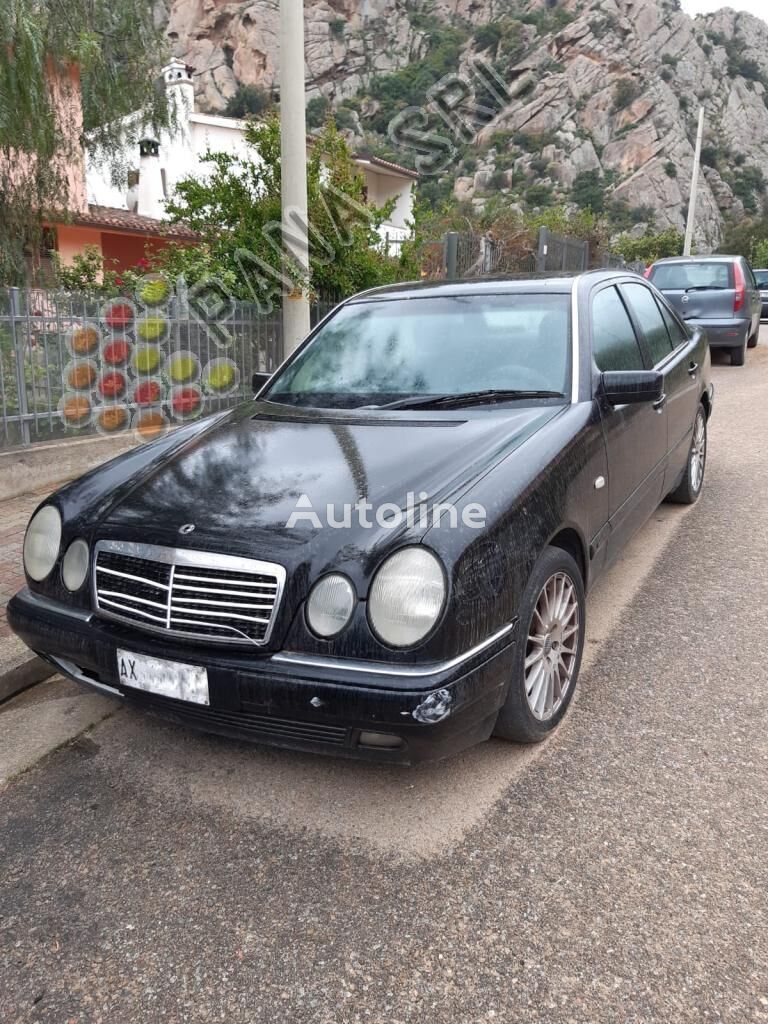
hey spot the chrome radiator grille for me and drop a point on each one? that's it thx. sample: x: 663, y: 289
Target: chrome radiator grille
x: 197, y: 594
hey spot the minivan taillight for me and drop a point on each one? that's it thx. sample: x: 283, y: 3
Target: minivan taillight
x: 741, y: 288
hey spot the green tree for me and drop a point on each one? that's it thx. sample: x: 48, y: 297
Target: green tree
x: 118, y: 50
x: 236, y: 210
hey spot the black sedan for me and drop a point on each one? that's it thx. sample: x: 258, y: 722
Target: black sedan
x: 386, y: 553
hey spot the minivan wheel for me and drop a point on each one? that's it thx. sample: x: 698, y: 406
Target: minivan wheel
x: 689, y: 489
x: 548, y: 652
x: 738, y: 355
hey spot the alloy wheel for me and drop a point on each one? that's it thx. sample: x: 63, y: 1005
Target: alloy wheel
x: 553, y: 646
x: 698, y: 452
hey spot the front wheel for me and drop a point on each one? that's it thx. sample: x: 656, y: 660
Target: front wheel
x: 690, y: 486
x: 548, y: 653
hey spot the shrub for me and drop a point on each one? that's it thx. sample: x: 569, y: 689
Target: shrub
x: 337, y: 27
x: 249, y: 99
x: 488, y: 37
x: 317, y: 111
x: 539, y: 195
x: 625, y: 92
x: 589, y: 192
x: 650, y: 247
x: 671, y: 169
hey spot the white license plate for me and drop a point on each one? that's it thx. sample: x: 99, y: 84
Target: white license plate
x: 166, y: 678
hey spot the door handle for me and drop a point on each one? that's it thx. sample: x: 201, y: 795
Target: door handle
x: 693, y: 369
x: 659, y: 406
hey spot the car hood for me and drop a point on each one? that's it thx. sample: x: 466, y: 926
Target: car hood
x: 240, y: 481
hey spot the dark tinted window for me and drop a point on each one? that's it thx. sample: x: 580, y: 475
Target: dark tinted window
x: 614, y: 343
x: 676, y: 332
x: 762, y: 278
x: 650, y: 319
x: 706, y: 275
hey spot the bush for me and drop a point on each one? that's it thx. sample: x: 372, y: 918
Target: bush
x: 539, y: 195
x: 488, y: 37
x: 317, y: 111
x: 589, y: 191
x: 625, y: 92
x: 249, y: 99
x: 671, y: 169
x: 650, y: 247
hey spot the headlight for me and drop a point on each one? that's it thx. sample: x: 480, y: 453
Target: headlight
x: 330, y: 605
x: 42, y: 542
x: 406, y: 597
x: 74, y: 568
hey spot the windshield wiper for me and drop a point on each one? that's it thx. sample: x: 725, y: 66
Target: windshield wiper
x: 707, y: 288
x: 467, y: 398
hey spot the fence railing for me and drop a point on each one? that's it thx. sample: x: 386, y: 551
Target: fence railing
x: 76, y: 364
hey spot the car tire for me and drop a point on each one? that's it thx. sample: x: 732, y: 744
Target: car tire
x: 752, y: 343
x: 532, y: 709
x: 738, y: 355
x: 690, y: 487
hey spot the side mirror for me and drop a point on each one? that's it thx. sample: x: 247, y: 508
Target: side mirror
x: 258, y: 381
x: 629, y: 387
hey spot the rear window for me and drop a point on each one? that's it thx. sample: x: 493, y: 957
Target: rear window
x: 761, y: 276
x: 702, y: 275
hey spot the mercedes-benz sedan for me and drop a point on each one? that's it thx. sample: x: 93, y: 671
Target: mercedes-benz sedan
x: 385, y: 554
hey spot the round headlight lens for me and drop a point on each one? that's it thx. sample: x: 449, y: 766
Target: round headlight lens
x: 42, y: 542
x: 406, y: 597
x: 74, y: 568
x: 330, y: 605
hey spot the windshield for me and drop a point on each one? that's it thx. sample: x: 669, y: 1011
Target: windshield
x: 379, y: 352
x: 761, y: 276
x: 703, y: 275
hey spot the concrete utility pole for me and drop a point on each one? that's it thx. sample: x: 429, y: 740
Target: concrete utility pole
x: 694, y: 187
x: 293, y: 155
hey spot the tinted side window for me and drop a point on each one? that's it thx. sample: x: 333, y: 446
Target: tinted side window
x: 676, y: 332
x: 614, y: 343
x: 650, y: 319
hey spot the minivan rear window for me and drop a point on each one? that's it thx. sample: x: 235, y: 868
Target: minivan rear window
x: 703, y: 275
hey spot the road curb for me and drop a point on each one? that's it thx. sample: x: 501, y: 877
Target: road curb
x: 22, y: 673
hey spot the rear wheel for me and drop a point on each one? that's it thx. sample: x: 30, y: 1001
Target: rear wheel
x: 738, y: 355
x: 548, y: 654
x: 752, y: 343
x: 692, y: 483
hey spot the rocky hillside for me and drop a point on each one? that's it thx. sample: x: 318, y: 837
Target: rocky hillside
x: 605, y: 93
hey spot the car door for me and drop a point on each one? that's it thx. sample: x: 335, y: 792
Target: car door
x: 755, y: 299
x: 672, y: 356
x: 635, y: 434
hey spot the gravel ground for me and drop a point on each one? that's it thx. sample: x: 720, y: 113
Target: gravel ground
x: 619, y: 876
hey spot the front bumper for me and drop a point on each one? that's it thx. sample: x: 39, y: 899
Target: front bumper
x: 731, y: 333
x: 312, y: 704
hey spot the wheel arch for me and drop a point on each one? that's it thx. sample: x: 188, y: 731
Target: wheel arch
x: 569, y: 539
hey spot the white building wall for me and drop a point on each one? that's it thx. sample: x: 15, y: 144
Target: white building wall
x: 181, y: 157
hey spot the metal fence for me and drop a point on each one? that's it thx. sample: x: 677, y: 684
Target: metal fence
x: 468, y: 254
x: 74, y: 364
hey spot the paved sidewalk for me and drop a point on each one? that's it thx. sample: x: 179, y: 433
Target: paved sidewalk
x: 14, y: 516
x: 19, y: 667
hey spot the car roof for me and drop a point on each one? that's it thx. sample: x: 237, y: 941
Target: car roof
x: 714, y: 258
x: 559, y: 284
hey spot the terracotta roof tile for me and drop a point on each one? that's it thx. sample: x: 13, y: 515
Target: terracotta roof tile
x: 126, y: 220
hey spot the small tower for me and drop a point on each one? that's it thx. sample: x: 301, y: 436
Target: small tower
x: 151, y: 195
x: 181, y: 91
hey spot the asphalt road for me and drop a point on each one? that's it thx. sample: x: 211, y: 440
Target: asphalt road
x: 616, y: 873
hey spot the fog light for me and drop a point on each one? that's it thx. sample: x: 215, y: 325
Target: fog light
x: 383, y: 740
x: 434, y: 708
